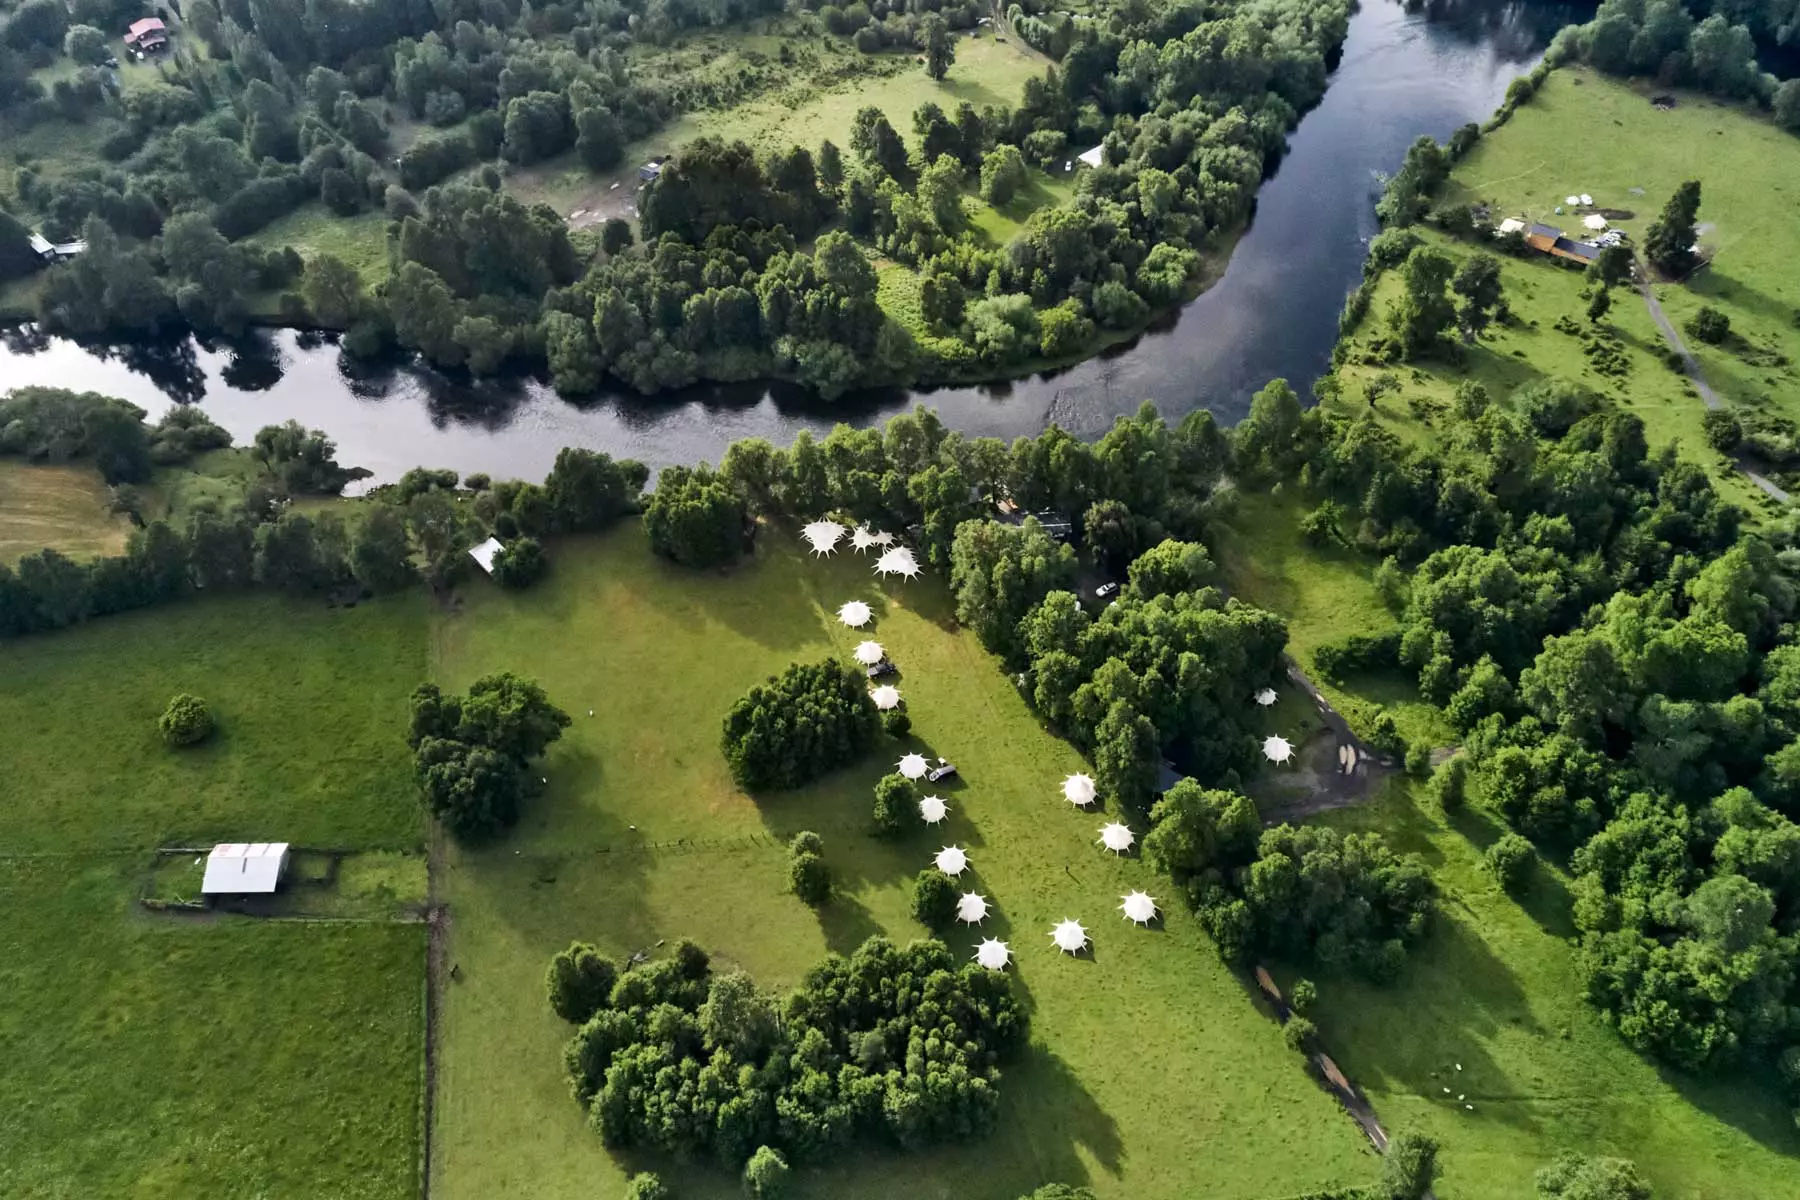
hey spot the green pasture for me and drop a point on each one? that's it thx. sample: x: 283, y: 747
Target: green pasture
x: 1152, y: 1073
x: 1586, y: 133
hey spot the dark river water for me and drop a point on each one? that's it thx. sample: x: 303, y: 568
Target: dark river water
x: 1273, y: 313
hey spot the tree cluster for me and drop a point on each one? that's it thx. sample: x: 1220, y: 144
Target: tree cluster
x: 893, y: 1045
x: 472, y: 752
x: 788, y: 731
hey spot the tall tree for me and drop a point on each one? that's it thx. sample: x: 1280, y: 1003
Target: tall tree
x: 1670, y: 239
x: 939, y: 52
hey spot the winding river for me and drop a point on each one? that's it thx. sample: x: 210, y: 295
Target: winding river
x: 1273, y: 313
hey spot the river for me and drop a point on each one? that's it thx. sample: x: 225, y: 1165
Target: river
x: 1272, y: 313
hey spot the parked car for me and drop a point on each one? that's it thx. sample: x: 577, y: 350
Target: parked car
x: 944, y: 770
x: 884, y: 667
x: 1106, y: 589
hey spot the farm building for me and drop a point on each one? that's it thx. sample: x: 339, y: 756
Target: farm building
x: 244, y: 869
x: 55, y: 252
x: 1548, y: 239
x: 484, y: 554
x: 147, y: 36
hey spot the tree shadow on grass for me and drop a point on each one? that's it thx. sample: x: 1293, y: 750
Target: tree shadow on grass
x: 1750, y: 1104
x: 846, y: 922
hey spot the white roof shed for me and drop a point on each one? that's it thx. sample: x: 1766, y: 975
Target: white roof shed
x: 244, y: 868
x: 1092, y: 158
x: 484, y: 554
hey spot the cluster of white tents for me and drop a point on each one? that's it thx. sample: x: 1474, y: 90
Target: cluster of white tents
x: 972, y: 908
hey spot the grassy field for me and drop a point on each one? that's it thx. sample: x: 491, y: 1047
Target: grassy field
x: 312, y: 230
x: 1151, y: 1074
x: 63, y: 507
x: 1632, y: 158
x: 1496, y: 987
x: 169, y: 1056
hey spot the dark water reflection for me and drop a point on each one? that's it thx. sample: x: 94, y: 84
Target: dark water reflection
x: 1274, y: 312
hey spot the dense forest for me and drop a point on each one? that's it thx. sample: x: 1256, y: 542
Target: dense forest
x: 268, y: 105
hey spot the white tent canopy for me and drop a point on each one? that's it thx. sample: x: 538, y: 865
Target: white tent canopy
x: 1069, y: 936
x: 864, y: 537
x: 933, y: 809
x: 1079, y: 790
x: 484, y: 554
x: 1264, y: 697
x: 972, y: 908
x: 1138, y: 907
x: 869, y: 653
x: 886, y: 697
x: 1277, y: 749
x: 898, y: 561
x: 912, y: 766
x: 822, y: 536
x: 1116, y: 837
x: 993, y: 954
x: 1586, y: 199
x: 951, y: 860
x: 1571, y: 201
x: 855, y: 614
x: 1594, y: 221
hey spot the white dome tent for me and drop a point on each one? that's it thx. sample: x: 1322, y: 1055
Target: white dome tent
x: 1277, y: 749
x: 911, y: 765
x: 993, y: 954
x: 1594, y: 221
x: 855, y: 614
x: 1079, y: 790
x: 1138, y: 907
x: 822, y: 536
x: 972, y: 908
x: 933, y: 809
x: 886, y: 698
x: 951, y: 860
x: 1069, y: 936
x: 1116, y: 837
x: 1265, y: 697
x: 898, y: 561
x: 869, y: 653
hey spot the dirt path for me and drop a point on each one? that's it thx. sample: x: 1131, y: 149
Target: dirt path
x: 1004, y: 26
x: 1335, y: 768
x: 1710, y: 398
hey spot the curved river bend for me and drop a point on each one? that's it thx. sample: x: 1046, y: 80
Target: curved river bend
x: 1273, y: 313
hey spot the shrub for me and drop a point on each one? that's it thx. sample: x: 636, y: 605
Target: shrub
x: 645, y: 1185
x: 578, y: 982
x: 809, y: 878
x: 765, y: 1175
x: 895, y: 808
x: 793, y: 728
x: 186, y: 722
x: 1710, y: 326
x: 1304, y: 996
x: 806, y: 842
x: 1509, y: 860
x: 1450, y: 783
x: 934, y: 896
x: 1299, y: 1033
x: 1357, y: 653
x: 896, y: 723
x: 521, y: 564
x: 1409, y: 1167
x: 1724, y: 432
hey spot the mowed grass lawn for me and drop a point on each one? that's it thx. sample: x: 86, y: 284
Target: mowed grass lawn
x: 167, y: 1058
x: 1496, y: 987
x: 1586, y: 133
x: 62, y: 507
x: 171, y: 1056
x: 1152, y: 1074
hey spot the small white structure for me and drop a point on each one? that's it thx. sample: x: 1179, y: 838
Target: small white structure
x: 913, y: 766
x: 951, y: 860
x: 1116, y: 837
x: 1092, y: 158
x: 1265, y: 697
x: 972, y: 908
x: 855, y: 614
x: 1571, y: 201
x: 886, y: 698
x: 864, y: 537
x: 898, y: 561
x: 55, y: 252
x: 1586, y: 199
x: 933, y: 809
x: 1069, y: 936
x: 1594, y: 221
x: 869, y: 653
x: 244, y: 869
x: 1277, y: 749
x: 1510, y: 225
x: 484, y: 554
x: 822, y: 536
x: 1138, y: 907
x: 1079, y: 790
x: 993, y: 954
